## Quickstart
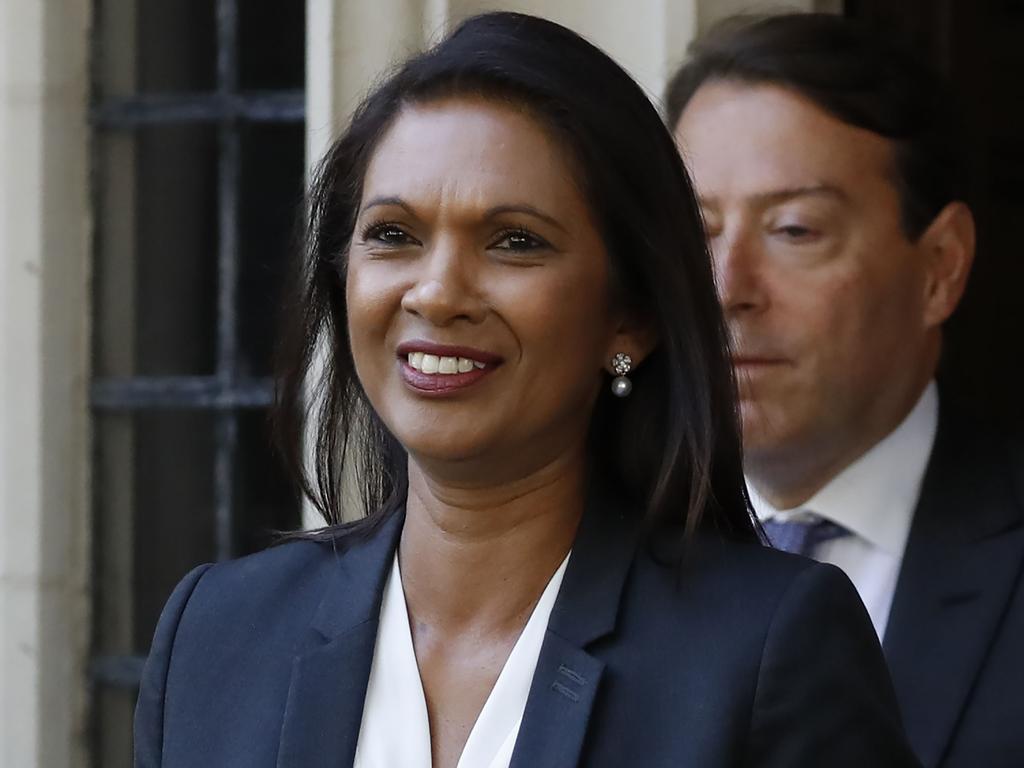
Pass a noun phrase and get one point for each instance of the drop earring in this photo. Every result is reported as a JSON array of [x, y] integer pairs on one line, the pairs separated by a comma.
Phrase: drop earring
[[621, 365]]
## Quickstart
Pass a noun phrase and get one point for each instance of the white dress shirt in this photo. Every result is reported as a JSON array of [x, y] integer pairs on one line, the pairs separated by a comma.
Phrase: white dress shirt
[[395, 730], [874, 498]]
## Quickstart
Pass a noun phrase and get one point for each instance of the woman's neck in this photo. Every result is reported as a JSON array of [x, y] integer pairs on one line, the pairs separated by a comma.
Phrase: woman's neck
[[477, 559]]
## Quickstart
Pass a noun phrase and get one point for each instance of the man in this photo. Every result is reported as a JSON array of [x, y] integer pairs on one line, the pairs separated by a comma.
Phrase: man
[[832, 186]]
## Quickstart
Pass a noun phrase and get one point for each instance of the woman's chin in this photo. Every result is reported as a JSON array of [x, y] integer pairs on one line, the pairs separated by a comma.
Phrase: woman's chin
[[435, 449]]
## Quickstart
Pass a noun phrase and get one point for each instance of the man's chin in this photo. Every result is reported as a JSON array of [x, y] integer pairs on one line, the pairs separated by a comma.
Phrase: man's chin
[[763, 434]]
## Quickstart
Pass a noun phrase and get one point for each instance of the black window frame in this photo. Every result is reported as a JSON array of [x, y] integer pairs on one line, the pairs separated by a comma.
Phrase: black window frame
[[226, 392]]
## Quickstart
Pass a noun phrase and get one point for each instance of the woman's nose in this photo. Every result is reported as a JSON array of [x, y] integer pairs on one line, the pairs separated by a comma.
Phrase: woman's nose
[[447, 287]]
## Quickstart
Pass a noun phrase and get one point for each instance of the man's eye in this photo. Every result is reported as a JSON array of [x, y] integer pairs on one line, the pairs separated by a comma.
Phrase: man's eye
[[796, 232], [518, 240]]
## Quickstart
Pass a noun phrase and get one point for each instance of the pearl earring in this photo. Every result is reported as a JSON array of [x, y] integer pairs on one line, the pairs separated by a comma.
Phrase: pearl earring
[[621, 364]]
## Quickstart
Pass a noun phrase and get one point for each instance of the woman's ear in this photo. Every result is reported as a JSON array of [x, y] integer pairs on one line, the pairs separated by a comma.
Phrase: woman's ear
[[635, 336], [948, 245]]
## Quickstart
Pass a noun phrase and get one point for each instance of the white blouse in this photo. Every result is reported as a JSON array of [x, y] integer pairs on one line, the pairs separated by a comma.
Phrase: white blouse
[[395, 730]]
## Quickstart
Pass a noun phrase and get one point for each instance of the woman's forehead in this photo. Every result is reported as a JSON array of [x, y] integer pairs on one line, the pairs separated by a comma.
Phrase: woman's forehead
[[474, 152]]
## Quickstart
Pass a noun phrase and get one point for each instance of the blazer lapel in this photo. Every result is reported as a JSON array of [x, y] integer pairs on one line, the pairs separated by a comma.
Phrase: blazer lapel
[[329, 678], [962, 558], [567, 678]]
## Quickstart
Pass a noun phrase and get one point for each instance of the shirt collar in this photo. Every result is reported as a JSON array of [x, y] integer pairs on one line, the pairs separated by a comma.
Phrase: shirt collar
[[875, 496]]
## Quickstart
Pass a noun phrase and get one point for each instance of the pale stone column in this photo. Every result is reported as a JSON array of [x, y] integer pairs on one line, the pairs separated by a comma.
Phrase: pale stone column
[[44, 257], [641, 35], [352, 44]]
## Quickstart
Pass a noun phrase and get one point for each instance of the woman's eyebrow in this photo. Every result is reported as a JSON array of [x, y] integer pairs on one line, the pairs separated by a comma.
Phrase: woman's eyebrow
[[490, 213], [529, 210], [389, 200]]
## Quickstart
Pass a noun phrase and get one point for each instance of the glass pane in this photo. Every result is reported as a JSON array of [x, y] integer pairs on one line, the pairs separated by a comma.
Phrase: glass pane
[[271, 195], [153, 522], [155, 510], [155, 46], [178, 50], [272, 45], [156, 252], [174, 507], [266, 500], [113, 711], [154, 517]]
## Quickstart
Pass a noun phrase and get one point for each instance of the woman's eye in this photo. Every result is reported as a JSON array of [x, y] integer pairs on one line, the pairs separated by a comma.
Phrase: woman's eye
[[518, 240], [388, 234]]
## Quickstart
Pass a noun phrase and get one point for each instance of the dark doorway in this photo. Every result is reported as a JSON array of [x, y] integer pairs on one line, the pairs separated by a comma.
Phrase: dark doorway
[[976, 44]]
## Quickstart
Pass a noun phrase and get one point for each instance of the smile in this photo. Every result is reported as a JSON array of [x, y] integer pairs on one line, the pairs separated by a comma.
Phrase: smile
[[445, 366], [439, 370]]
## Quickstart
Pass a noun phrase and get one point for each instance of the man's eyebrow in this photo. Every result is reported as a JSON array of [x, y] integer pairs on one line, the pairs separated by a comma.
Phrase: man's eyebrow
[[776, 196]]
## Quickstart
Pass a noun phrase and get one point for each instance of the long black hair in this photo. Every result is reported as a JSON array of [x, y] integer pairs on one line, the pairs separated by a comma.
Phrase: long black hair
[[672, 449]]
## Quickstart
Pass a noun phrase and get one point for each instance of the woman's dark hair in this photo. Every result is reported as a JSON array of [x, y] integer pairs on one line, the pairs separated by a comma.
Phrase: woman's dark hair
[[857, 76], [673, 448]]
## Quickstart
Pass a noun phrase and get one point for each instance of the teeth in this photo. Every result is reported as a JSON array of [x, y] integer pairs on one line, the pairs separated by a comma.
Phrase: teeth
[[433, 364]]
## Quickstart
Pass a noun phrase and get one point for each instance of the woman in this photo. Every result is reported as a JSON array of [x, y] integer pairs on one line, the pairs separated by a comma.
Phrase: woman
[[526, 372]]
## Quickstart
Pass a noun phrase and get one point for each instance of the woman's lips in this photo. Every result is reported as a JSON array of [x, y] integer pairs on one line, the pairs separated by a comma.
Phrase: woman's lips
[[443, 369], [440, 383]]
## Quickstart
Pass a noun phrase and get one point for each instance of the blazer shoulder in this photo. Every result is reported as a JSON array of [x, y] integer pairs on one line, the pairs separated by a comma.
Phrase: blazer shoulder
[[810, 640], [232, 630], [274, 567], [722, 583], [229, 596], [760, 573], [149, 714], [281, 585], [778, 588], [767, 637], [821, 647]]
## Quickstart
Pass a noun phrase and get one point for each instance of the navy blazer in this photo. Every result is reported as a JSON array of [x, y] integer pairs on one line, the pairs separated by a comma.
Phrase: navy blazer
[[955, 635], [744, 657]]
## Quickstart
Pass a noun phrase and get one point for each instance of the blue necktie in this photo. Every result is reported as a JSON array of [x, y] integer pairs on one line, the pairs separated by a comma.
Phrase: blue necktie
[[801, 537]]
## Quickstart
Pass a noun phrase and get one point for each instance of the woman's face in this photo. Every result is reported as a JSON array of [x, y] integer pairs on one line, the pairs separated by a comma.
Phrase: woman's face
[[478, 290]]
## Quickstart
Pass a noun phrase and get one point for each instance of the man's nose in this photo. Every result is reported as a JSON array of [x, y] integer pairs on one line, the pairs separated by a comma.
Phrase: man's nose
[[447, 287], [738, 263]]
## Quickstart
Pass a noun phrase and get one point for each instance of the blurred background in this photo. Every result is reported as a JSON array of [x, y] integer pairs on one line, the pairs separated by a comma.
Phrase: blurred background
[[152, 162]]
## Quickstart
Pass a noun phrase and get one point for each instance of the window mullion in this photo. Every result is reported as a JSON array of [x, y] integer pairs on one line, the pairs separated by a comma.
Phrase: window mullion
[[227, 268]]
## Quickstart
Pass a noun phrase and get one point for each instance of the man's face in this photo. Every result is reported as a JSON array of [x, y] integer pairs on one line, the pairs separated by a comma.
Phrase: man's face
[[824, 293]]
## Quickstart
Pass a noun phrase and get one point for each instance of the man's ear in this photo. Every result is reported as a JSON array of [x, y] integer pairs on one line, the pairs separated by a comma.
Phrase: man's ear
[[948, 249], [636, 336]]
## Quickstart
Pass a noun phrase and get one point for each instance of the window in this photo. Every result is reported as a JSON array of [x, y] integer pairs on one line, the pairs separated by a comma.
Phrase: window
[[198, 168]]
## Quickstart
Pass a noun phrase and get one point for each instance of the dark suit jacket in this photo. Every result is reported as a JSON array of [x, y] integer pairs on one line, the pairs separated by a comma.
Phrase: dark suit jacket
[[955, 635], [748, 657]]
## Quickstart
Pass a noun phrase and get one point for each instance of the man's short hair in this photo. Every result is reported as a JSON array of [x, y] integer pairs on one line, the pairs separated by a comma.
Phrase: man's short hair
[[853, 74]]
